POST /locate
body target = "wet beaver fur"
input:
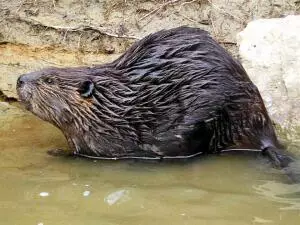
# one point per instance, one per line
(175, 93)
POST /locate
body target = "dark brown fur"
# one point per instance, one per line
(174, 93)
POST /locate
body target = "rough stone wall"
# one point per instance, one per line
(270, 53)
(36, 34)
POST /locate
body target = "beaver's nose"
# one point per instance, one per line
(21, 81)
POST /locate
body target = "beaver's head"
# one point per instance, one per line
(86, 104)
(59, 96)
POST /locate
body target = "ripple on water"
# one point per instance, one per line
(117, 197)
(289, 194)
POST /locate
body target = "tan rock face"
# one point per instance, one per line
(36, 34)
(18, 59)
(270, 52)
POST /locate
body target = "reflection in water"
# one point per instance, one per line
(117, 197)
(37, 188)
(281, 193)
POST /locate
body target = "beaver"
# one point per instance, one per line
(174, 94)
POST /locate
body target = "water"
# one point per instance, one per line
(39, 189)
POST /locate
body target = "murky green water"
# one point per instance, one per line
(39, 189)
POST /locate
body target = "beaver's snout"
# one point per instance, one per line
(23, 89)
(21, 80)
(24, 79)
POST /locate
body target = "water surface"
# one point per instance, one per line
(39, 189)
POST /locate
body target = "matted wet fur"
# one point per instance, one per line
(174, 93)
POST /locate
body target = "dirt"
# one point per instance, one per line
(16, 59)
(36, 34)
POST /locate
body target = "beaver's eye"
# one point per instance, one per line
(86, 89)
(48, 80)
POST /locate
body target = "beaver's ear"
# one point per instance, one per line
(86, 88)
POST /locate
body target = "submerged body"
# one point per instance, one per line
(174, 93)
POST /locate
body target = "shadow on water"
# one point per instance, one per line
(37, 188)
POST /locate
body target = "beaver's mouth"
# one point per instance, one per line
(25, 98)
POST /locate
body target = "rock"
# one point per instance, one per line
(38, 34)
(270, 52)
(16, 60)
(8, 113)
(119, 196)
(35, 35)
(8, 109)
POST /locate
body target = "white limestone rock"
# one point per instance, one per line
(270, 52)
